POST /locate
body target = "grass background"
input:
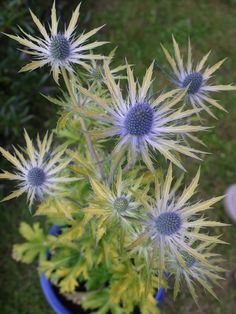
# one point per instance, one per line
(136, 27)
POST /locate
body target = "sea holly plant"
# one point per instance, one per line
(109, 176)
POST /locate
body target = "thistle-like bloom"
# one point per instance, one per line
(196, 78)
(58, 49)
(115, 206)
(96, 72)
(39, 172)
(143, 123)
(193, 271)
(171, 219)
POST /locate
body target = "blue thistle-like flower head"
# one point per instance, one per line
(142, 123)
(139, 119)
(59, 47)
(38, 170)
(172, 228)
(168, 223)
(194, 80)
(121, 204)
(36, 177)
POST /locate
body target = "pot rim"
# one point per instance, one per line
(47, 288)
(51, 296)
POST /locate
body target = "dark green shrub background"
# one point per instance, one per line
(137, 27)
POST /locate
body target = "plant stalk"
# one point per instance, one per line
(83, 125)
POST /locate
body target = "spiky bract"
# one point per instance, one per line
(114, 206)
(193, 271)
(171, 219)
(37, 169)
(144, 123)
(95, 71)
(58, 49)
(196, 78)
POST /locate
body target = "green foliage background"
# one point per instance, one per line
(137, 27)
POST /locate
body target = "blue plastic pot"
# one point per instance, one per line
(52, 297)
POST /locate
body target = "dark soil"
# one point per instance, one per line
(76, 308)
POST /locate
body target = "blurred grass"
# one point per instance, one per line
(138, 27)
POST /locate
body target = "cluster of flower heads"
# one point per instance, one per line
(146, 125)
(173, 226)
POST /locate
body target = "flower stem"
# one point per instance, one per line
(83, 125)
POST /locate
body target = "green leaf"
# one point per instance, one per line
(36, 245)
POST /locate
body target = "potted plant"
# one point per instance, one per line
(110, 184)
